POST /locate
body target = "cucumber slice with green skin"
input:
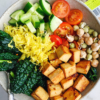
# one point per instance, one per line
(12, 22)
(32, 9)
(54, 23)
(25, 17)
(16, 15)
(28, 6)
(30, 26)
(35, 21)
(45, 6)
(47, 28)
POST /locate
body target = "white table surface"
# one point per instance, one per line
(93, 95)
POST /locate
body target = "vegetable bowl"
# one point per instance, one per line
(88, 17)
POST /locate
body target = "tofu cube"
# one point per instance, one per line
(48, 82)
(56, 76)
(72, 94)
(83, 66)
(75, 76)
(54, 90)
(75, 55)
(59, 97)
(67, 82)
(53, 56)
(55, 63)
(40, 94)
(81, 83)
(63, 53)
(47, 69)
(68, 68)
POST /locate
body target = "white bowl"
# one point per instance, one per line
(88, 17)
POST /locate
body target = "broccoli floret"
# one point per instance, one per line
(8, 56)
(6, 65)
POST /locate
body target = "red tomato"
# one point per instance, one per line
(60, 8)
(75, 17)
(65, 42)
(64, 29)
(56, 39)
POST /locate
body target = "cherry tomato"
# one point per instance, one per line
(64, 29)
(60, 8)
(65, 42)
(75, 17)
(56, 39)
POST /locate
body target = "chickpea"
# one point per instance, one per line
(86, 35)
(95, 55)
(94, 63)
(95, 47)
(75, 27)
(99, 42)
(83, 54)
(82, 24)
(80, 32)
(89, 41)
(81, 41)
(70, 38)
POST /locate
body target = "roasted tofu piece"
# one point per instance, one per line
(55, 63)
(83, 66)
(47, 69)
(75, 76)
(68, 68)
(75, 55)
(56, 76)
(67, 82)
(72, 94)
(48, 82)
(53, 56)
(81, 83)
(63, 53)
(59, 97)
(54, 90)
(40, 94)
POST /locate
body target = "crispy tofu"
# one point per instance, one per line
(67, 82)
(72, 94)
(48, 82)
(56, 76)
(81, 83)
(40, 94)
(54, 90)
(75, 55)
(55, 63)
(75, 76)
(47, 69)
(59, 97)
(68, 68)
(63, 53)
(53, 56)
(83, 66)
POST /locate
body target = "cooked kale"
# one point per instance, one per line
(92, 74)
(8, 56)
(6, 65)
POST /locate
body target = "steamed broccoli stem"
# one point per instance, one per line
(6, 65)
(8, 56)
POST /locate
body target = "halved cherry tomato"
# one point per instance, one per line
(60, 8)
(63, 29)
(75, 17)
(65, 42)
(56, 39)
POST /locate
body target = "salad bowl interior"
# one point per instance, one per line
(88, 17)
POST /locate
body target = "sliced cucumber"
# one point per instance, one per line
(15, 15)
(54, 23)
(30, 26)
(45, 6)
(28, 6)
(35, 21)
(33, 8)
(12, 22)
(25, 17)
(47, 28)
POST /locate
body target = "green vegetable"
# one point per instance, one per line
(72, 45)
(92, 74)
(6, 65)
(84, 45)
(8, 56)
(76, 38)
(99, 51)
(89, 50)
(91, 31)
(89, 57)
(95, 34)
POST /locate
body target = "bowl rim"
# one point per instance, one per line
(80, 2)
